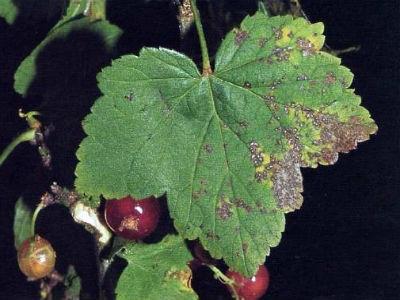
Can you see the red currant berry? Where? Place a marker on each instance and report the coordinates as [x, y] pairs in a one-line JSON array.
[[36, 257], [250, 288], [132, 219]]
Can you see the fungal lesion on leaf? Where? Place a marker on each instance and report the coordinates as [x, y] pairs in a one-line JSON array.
[[212, 236], [183, 276], [330, 78], [245, 247], [130, 96], [306, 47], [240, 36], [247, 85], [240, 203], [342, 137], [201, 192], [282, 53], [283, 176], [224, 208], [262, 42], [312, 138], [277, 33], [288, 183], [208, 148]]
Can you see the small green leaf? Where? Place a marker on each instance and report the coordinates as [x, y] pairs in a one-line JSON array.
[[225, 148], [8, 11], [22, 222], [30, 10], [73, 22], [156, 271]]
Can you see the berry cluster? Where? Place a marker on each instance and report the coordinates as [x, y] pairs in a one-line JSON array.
[[134, 219]]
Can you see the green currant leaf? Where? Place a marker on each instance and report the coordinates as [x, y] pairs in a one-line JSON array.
[[226, 148], [156, 271], [74, 21], [22, 222]]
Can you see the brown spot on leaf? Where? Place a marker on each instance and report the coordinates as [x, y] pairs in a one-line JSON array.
[[247, 85], [184, 276], [277, 33], [239, 203], [243, 124], [306, 47], [342, 136], [208, 148], [288, 183], [196, 195], [245, 247], [330, 78], [240, 36], [302, 77], [130, 96], [271, 102], [273, 85], [224, 210], [282, 54], [262, 42], [212, 236]]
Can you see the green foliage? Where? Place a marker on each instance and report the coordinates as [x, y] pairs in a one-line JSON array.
[[8, 11], [22, 222], [30, 10], [156, 271], [74, 21], [225, 148]]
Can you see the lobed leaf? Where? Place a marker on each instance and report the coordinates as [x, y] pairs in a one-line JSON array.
[[225, 148], [156, 271]]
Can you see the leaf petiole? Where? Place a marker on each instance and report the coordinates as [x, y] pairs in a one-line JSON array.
[[26, 136], [203, 44]]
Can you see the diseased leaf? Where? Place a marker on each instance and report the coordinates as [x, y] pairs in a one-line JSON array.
[[226, 148], [22, 222], [74, 21], [156, 271]]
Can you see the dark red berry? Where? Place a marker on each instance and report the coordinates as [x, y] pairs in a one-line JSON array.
[[36, 257], [132, 219], [250, 288]]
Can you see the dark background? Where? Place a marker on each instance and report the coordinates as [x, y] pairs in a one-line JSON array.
[[345, 241]]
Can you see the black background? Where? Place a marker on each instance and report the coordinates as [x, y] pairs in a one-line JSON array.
[[345, 241]]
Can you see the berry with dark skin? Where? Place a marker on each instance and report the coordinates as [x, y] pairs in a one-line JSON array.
[[132, 219], [250, 288], [36, 257]]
